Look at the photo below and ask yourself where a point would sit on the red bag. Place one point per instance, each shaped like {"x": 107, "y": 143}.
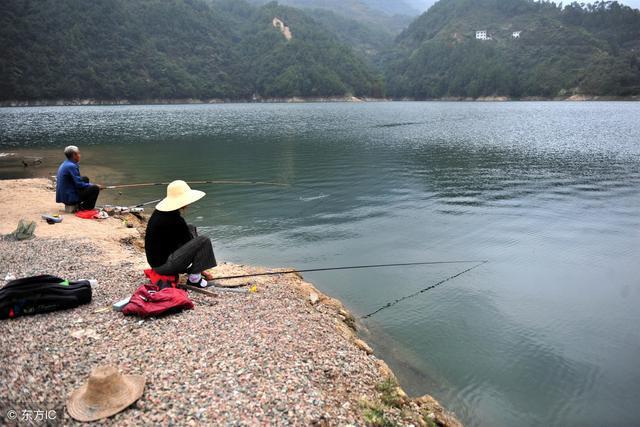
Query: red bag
{"x": 150, "y": 300}
{"x": 90, "y": 214}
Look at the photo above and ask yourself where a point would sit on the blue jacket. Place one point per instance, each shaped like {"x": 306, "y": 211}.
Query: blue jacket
{"x": 69, "y": 182}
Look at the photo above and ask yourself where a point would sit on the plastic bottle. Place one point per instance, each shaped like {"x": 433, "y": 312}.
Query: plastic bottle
{"x": 92, "y": 282}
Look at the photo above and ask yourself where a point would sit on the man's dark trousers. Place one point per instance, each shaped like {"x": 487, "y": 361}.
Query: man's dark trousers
{"x": 88, "y": 196}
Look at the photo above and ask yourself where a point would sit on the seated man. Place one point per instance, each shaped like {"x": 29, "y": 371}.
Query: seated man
{"x": 172, "y": 246}
{"x": 72, "y": 189}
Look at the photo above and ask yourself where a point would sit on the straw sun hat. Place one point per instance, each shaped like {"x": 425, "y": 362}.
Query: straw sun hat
{"x": 106, "y": 393}
{"x": 179, "y": 195}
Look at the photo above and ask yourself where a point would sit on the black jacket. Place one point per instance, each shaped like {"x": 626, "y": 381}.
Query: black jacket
{"x": 166, "y": 232}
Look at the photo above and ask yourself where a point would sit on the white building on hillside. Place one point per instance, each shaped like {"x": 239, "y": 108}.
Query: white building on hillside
{"x": 481, "y": 35}
{"x": 516, "y": 34}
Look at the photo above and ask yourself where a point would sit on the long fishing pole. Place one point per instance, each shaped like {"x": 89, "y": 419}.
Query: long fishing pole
{"x": 353, "y": 267}
{"x": 140, "y": 205}
{"x": 222, "y": 181}
{"x": 428, "y": 288}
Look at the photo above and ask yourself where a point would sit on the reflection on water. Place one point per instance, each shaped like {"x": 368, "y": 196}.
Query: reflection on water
{"x": 546, "y": 333}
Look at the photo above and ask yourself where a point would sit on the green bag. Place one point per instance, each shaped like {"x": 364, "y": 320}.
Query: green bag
{"x": 24, "y": 231}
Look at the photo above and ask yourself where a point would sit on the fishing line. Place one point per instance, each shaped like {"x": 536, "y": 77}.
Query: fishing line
{"x": 353, "y": 267}
{"x": 428, "y": 288}
{"x": 224, "y": 181}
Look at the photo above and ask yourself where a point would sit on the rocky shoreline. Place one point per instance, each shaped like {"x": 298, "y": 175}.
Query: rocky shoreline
{"x": 286, "y": 354}
{"x": 297, "y": 100}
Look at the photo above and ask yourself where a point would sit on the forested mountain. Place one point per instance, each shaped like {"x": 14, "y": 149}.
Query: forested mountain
{"x": 313, "y": 63}
{"x": 232, "y": 49}
{"x": 557, "y": 51}
{"x": 141, "y": 49}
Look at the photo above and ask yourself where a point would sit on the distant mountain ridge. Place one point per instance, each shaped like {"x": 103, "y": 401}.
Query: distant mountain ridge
{"x": 388, "y": 15}
{"x": 234, "y": 50}
{"x": 394, "y": 7}
{"x": 387, "y": 7}
{"x": 423, "y": 5}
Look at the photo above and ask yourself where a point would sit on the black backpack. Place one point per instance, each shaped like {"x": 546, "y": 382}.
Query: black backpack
{"x": 41, "y": 294}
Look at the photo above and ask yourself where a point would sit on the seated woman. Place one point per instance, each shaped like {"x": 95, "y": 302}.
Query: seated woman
{"x": 172, "y": 246}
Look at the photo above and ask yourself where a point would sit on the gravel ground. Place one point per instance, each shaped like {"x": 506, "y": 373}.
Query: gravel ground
{"x": 270, "y": 357}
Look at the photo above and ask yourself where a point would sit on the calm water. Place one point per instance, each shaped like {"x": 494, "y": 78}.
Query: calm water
{"x": 546, "y": 333}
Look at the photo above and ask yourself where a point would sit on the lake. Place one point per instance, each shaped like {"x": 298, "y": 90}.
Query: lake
{"x": 546, "y": 333}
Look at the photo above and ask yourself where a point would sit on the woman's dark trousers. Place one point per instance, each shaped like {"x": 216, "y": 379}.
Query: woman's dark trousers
{"x": 194, "y": 257}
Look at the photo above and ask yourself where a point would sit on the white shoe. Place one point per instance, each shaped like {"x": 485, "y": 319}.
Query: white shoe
{"x": 202, "y": 284}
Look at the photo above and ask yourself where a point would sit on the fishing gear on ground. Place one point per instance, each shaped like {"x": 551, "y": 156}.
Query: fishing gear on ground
{"x": 138, "y": 208}
{"x": 123, "y": 209}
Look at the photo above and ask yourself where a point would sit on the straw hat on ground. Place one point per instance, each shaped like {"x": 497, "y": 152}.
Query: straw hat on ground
{"x": 179, "y": 195}
{"x": 106, "y": 393}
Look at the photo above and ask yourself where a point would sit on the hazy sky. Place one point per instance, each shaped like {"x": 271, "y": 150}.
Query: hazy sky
{"x": 424, "y": 4}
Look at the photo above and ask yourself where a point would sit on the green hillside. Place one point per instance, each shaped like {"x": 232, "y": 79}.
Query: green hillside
{"x": 141, "y": 49}
{"x": 113, "y": 49}
{"x": 313, "y": 63}
{"x": 592, "y": 50}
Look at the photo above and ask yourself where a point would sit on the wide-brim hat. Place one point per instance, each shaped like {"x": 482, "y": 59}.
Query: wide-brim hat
{"x": 179, "y": 195}
{"x": 106, "y": 393}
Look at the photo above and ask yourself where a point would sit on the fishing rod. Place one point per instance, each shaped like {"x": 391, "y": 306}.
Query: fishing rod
{"x": 353, "y": 267}
{"x": 140, "y": 205}
{"x": 222, "y": 181}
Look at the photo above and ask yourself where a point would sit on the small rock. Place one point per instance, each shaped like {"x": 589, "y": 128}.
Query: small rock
{"x": 363, "y": 346}
{"x": 314, "y": 298}
{"x": 90, "y": 333}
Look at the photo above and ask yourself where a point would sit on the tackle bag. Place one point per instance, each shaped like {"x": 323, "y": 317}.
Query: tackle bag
{"x": 41, "y": 294}
{"x": 161, "y": 296}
